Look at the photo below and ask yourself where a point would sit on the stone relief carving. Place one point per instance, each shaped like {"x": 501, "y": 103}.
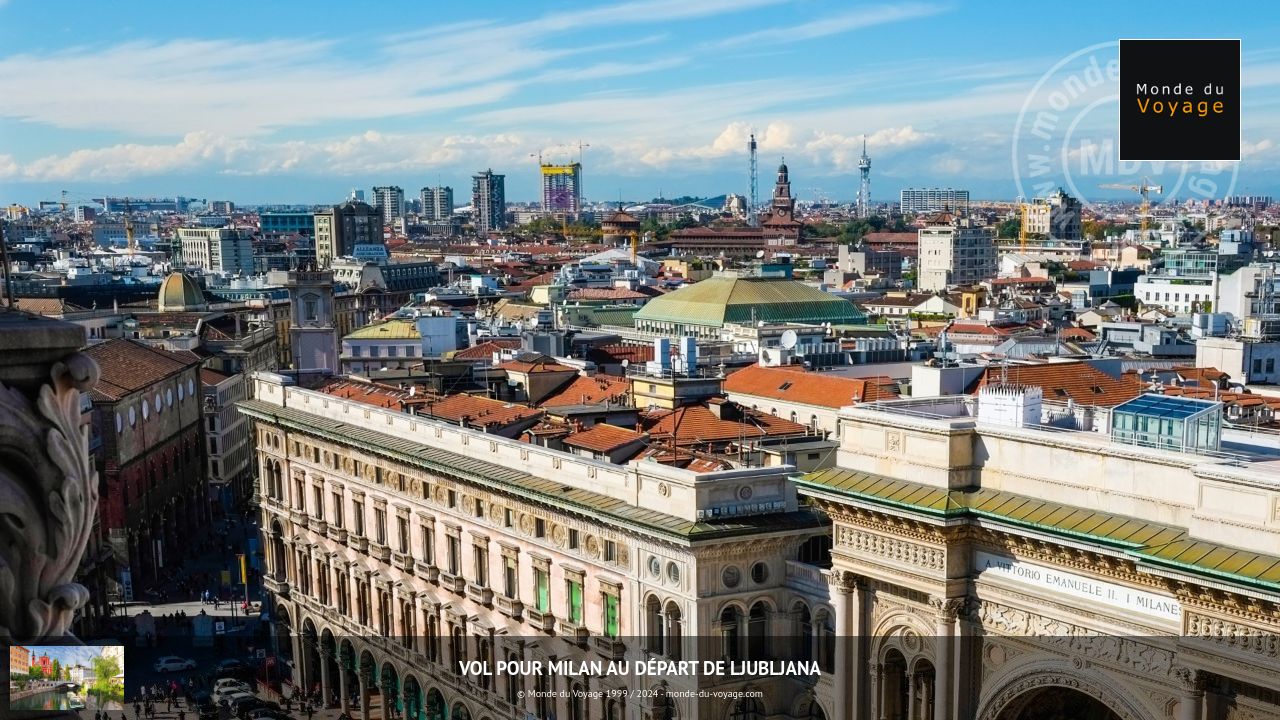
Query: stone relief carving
{"x": 48, "y": 499}
{"x": 1232, "y": 635}
{"x": 1075, "y": 641}
{"x": 891, "y": 548}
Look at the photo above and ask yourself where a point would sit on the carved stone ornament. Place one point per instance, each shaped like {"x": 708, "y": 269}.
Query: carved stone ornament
{"x": 48, "y": 484}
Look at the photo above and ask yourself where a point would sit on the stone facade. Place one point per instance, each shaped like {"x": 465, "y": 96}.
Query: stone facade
{"x": 398, "y": 547}
{"x": 967, "y": 596}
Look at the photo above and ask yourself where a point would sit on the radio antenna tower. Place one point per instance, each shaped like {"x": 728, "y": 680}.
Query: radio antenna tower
{"x": 754, "y": 201}
{"x": 864, "y": 189}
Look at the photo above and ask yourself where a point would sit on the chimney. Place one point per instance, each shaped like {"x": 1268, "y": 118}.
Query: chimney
{"x": 1010, "y": 405}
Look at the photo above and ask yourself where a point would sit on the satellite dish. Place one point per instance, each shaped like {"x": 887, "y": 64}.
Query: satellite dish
{"x": 759, "y": 253}
{"x": 789, "y": 339}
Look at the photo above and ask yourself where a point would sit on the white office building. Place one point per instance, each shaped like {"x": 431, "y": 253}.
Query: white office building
{"x": 218, "y": 249}
{"x": 956, "y": 251}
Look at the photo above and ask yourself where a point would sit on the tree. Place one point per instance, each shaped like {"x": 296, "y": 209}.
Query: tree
{"x": 55, "y": 671}
{"x": 1009, "y": 228}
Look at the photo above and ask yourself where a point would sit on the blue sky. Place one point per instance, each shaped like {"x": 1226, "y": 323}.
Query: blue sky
{"x": 68, "y": 655}
{"x": 301, "y": 101}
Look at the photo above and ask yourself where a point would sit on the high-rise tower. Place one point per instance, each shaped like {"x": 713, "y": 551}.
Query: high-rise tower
{"x": 753, "y": 204}
{"x": 864, "y": 188}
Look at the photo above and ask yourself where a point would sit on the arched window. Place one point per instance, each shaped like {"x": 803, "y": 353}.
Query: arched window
{"x": 802, "y": 631}
{"x": 655, "y": 623}
{"x": 794, "y": 417}
{"x": 577, "y": 706}
{"x": 731, "y": 632}
{"x": 460, "y": 712}
{"x": 515, "y": 682}
{"x": 675, "y": 631}
{"x": 758, "y": 632}
{"x": 826, "y": 641}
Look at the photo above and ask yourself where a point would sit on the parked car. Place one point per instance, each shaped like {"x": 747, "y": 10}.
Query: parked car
{"x": 173, "y": 663}
{"x": 230, "y": 695}
{"x": 229, "y": 682}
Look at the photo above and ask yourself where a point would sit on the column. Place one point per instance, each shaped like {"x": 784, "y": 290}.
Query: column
{"x": 364, "y": 694}
{"x": 1191, "y": 704}
{"x": 344, "y": 692}
{"x": 860, "y": 688}
{"x": 845, "y": 635}
{"x": 295, "y": 637}
{"x": 879, "y": 686}
{"x": 324, "y": 674}
{"x": 913, "y": 696}
{"x": 946, "y": 622}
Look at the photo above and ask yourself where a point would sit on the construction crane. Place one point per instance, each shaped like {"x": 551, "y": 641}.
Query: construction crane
{"x": 128, "y": 228}
{"x": 1022, "y": 227}
{"x": 1144, "y": 211}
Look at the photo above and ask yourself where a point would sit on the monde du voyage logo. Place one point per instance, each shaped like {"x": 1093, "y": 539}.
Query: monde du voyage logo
{"x": 1180, "y": 100}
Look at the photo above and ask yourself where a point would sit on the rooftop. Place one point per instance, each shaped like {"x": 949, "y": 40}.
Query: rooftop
{"x": 128, "y": 366}
{"x": 808, "y": 388}
{"x": 730, "y": 298}
{"x": 389, "y": 329}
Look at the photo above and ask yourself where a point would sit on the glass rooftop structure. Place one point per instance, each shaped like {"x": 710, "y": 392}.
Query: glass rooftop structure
{"x": 1174, "y": 423}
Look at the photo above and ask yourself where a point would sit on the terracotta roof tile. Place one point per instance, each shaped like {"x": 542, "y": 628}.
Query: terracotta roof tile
{"x": 698, "y": 425}
{"x": 583, "y": 390}
{"x": 129, "y": 366}
{"x": 365, "y": 392}
{"x": 808, "y": 388}
{"x": 486, "y": 349}
{"x": 1078, "y": 381}
{"x": 604, "y": 438}
{"x": 478, "y": 412}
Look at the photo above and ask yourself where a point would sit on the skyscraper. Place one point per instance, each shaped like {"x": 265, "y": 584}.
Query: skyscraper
{"x": 437, "y": 202}
{"x": 389, "y": 199}
{"x": 489, "y": 201}
{"x": 562, "y": 188}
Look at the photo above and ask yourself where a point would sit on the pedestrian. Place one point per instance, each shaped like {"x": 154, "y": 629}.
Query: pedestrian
{"x": 311, "y": 710}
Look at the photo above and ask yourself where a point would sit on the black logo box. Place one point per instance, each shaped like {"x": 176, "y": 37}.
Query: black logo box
{"x": 1180, "y": 66}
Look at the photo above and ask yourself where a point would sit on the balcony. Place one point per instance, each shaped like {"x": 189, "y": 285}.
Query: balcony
{"x": 480, "y": 594}
{"x": 359, "y": 543}
{"x": 402, "y": 561}
{"x": 455, "y": 584}
{"x": 380, "y": 551}
{"x": 276, "y": 583}
{"x": 430, "y": 573}
{"x": 807, "y": 579}
{"x": 337, "y": 533}
{"x": 574, "y": 633}
{"x": 298, "y": 516}
{"x": 545, "y": 622}
{"x": 319, "y": 526}
{"x": 510, "y": 607}
{"x": 609, "y": 648}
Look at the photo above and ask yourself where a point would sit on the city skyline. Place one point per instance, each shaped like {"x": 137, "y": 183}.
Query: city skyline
{"x": 67, "y": 655}
{"x": 279, "y": 107}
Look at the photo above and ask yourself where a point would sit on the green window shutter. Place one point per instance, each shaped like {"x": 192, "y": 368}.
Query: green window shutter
{"x": 575, "y": 603}
{"x": 544, "y": 591}
{"x": 611, "y": 615}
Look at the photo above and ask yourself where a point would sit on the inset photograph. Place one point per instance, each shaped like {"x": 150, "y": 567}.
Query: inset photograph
{"x": 64, "y": 680}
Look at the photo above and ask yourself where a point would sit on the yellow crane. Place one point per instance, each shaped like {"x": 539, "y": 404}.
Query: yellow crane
{"x": 1022, "y": 227}
{"x": 1144, "y": 211}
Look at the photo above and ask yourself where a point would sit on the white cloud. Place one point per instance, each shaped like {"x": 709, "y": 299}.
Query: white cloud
{"x": 230, "y": 87}
{"x": 858, "y": 19}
